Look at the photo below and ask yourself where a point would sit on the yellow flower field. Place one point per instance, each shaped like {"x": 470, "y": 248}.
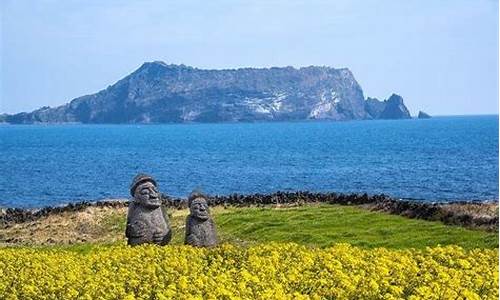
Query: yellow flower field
{"x": 266, "y": 271}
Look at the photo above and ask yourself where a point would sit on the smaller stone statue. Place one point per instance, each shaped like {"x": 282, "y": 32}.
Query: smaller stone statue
{"x": 200, "y": 228}
{"x": 146, "y": 220}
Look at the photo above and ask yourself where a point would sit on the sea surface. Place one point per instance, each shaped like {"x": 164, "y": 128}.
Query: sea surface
{"x": 438, "y": 159}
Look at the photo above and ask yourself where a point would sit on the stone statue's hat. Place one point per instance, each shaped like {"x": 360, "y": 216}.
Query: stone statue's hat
{"x": 195, "y": 195}
{"x": 141, "y": 178}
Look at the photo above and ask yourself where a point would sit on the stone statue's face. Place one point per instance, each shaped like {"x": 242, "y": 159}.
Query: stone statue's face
{"x": 146, "y": 194}
{"x": 199, "y": 208}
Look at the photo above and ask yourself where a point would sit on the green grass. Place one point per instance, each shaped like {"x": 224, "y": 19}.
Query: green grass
{"x": 315, "y": 225}
{"x": 324, "y": 225}
{"x": 114, "y": 223}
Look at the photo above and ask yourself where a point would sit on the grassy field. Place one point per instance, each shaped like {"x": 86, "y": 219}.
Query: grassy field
{"x": 313, "y": 225}
{"x": 325, "y": 225}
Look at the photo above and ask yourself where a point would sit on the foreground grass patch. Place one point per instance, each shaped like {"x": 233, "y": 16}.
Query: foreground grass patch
{"x": 325, "y": 225}
{"x": 265, "y": 271}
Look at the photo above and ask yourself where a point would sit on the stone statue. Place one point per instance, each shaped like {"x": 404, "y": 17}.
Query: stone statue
{"x": 146, "y": 220}
{"x": 200, "y": 228}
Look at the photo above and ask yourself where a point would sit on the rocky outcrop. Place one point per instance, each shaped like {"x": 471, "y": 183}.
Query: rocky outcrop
{"x": 374, "y": 107}
{"x": 423, "y": 115}
{"x": 161, "y": 93}
{"x": 392, "y": 108}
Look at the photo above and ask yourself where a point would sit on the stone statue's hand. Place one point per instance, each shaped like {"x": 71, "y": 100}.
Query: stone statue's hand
{"x": 136, "y": 229}
{"x": 158, "y": 236}
{"x": 163, "y": 238}
{"x": 191, "y": 239}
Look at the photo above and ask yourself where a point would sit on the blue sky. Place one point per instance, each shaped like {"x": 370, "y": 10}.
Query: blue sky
{"x": 441, "y": 56}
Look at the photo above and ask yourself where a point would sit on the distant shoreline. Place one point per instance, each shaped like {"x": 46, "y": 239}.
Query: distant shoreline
{"x": 241, "y": 122}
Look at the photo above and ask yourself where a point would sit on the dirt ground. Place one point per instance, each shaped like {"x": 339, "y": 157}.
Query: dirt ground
{"x": 94, "y": 224}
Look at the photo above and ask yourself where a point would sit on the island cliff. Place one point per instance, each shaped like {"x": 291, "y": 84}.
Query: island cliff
{"x": 161, "y": 93}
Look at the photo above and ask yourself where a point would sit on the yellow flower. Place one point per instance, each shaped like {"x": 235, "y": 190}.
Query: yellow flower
{"x": 265, "y": 271}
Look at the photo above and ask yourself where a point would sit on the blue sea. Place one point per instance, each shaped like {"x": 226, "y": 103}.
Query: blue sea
{"x": 438, "y": 159}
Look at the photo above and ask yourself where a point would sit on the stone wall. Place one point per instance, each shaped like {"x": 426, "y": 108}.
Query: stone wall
{"x": 443, "y": 212}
